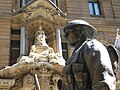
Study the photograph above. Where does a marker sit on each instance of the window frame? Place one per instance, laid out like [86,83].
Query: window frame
[15,43]
[93,2]
[27,1]
[15,46]
[24,2]
[55,2]
[15,32]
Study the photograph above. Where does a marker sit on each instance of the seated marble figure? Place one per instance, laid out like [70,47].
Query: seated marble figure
[41,52]
[42,66]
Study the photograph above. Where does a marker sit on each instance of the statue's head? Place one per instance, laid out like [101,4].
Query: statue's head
[77,30]
[39,32]
[40,37]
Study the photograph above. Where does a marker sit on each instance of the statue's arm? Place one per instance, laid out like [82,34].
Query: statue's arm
[32,51]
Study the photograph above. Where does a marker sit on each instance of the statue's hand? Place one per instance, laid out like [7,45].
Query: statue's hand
[55,58]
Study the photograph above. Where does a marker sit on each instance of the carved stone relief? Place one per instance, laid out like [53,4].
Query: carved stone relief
[40,8]
[42,61]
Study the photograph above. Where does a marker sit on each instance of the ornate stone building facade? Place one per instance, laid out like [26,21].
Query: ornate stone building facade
[19,19]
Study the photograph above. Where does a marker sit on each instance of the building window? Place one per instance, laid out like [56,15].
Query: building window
[65,50]
[15,43]
[24,2]
[94,7]
[14,54]
[55,2]
[15,51]
[15,46]
[15,32]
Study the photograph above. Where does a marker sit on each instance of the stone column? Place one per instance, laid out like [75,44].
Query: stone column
[22,41]
[59,44]
[23,2]
[27,42]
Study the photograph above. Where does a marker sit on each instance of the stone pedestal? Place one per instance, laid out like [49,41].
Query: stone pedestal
[6,84]
[43,75]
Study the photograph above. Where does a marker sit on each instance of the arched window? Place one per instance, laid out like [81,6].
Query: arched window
[94,7]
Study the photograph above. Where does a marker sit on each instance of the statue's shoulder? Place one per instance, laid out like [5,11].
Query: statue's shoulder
[94,43]
[94,46]
[33,46]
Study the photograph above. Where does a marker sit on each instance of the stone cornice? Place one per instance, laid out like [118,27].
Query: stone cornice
[42,9]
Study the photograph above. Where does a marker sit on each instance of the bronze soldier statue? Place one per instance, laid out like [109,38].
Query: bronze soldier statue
[89,67]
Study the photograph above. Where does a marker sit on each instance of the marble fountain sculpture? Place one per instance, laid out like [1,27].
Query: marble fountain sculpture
[41,70]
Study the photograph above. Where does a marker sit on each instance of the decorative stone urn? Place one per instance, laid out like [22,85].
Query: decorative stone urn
[41,70]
